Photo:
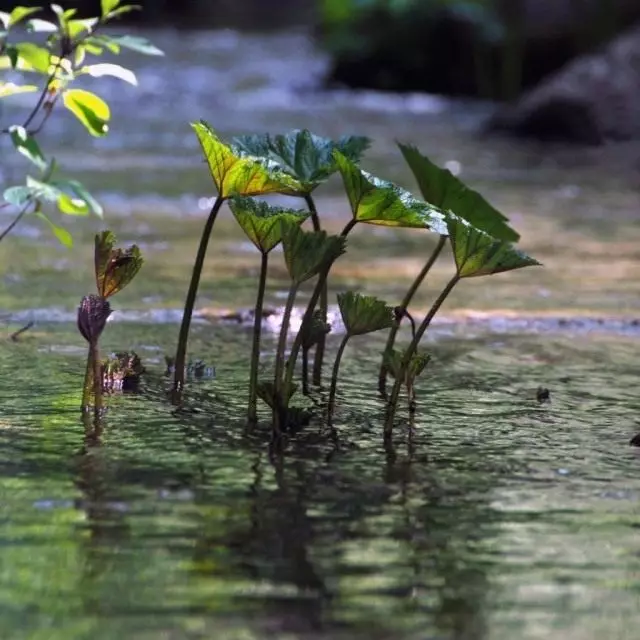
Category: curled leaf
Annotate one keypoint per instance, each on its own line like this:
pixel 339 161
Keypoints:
pixel 267 393
pixel 364 314
pixel 93 313
pixel 418 363
pixel 115 268
pixel 312 332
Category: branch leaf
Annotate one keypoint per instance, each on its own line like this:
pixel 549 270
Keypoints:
pixel 33 57
pixel 364 314
pixel 63 236
pixel 261 222
pixel 115 268
pixel 10 89
pixel 27 146
pixel 112 70
pixel 379 202
pixel 241 175
pixel 18 14
pixel 91 110
pixel 306 157
pixel 36 25
pixel 79 193
pixel 476 253
pixel 135 43
pixel 107 6
pixel 442 189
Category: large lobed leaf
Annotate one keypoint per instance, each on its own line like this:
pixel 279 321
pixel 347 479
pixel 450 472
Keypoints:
pixel 442 189
pixel 364 314
pixel 307 253
pixel 478 254
pixel 115 268
pixel 261 222
pixel 379 202
pixel 240 174
pixel 306 157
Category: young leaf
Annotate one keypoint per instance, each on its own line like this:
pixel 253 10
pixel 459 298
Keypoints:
pixel 107 6
pixel 135 43
pixel 34 57
pixel 10 89
pixel 128 8
pixel 442 189
pixel 306 157
pixel 240 175
pixel 364 314
pixel 93 313
pixel 376 201
pixel 417 364
pixel 91 110
pixel 18 14
pixel 79 192
pixel 27 146
pixel 267 393
pixel 62 18
pixel 115 268
pixel 76 27
pixel 476 253
pixel 307 253
pixel 36 25
pixel 113 70
pixel 261 222
pixel 62 235
pixel 312 331
pixel 72 206
pixel 42 190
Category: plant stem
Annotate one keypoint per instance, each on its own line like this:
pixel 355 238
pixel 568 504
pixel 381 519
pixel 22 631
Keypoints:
pixel 308 314
pixel 17 219
pixel 181 353
pixel 97 382
pixel 324 304
pixel 305 371
pixel 255 353
pixel 384 370
pixel 334 378
pixel 411 349
pixel 92 388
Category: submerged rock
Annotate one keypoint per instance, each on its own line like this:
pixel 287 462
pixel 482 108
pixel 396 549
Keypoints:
pixel 121 372
pixel 591 100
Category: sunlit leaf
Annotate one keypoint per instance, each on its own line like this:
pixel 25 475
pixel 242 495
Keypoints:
pixel 62 19
pixel 261 222
pixel 27 145
pixel 78 192
pixel 307 253
pixel 101 42
pixel 42 190
pixel 4 19
pixel 76 27
pixel 442 189
pixel 36 25
pixel 72 206
pixel 306 157
pixel 379 202
pixel 10 89
pixel 240 175
pixel 112 70
pixel 35 57
pixel 18 14
pixel 107 6
pixel 478 254
pixel 91 110
pixel 364 314
pixel 135 43
pixel 122 10
pixel 115 268
pixel 62 235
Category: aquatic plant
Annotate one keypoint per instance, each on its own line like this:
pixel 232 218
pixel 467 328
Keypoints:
pixel 59 61
pixel 114 269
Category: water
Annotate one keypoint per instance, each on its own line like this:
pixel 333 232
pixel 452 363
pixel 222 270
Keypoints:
pixel 501 518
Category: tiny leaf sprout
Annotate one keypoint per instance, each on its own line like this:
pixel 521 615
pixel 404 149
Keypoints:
pixel 360 314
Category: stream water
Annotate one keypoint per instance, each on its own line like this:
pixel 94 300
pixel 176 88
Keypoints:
pixel 501 518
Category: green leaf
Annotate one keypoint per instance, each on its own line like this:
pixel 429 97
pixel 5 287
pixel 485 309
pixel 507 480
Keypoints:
pixel 379 202
pixel 108 69
pixel 62 19
pixel 306 157
pixel 72 206
pixel 36 25
pixel 364 314
pixel 135 43
pixel 42 190
pixel 240 175
pixel 476 253
pixel 4 19
pixel 18 14
pixel 307 253
pixel 79 192
pixel 63 236
pixel 27 146
pixel 442 189
pixel 17 196
pixel 34 57
pixel 101 42
pixel 76 27
pixel 10 89
pixel 107 6
pixel 91 110
pixel 114 268
pixel 261 223
pixel 417 364
pixel 122 10
pixel 311 332
pixel 267 393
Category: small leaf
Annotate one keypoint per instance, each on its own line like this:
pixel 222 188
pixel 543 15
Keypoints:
pixel 72 206
pixel 4 19
pixel 307 253
pixel 43 190
pixel 135 43
pixel 115 268
pixel 27 146
pixel 10 89
pixel 103 42
pixel 76 27
pixel 35 57
pixel 379 202
pixel 91 110
pixel 79 192
pixel 122 10
pixel 113 70
pixel 63 236
pixel 478 254
pixel 18 14
pixel 442 189
pixel 62 19
pixel 311 332
pixel 240 175
pixel 36 25
pixel 17 196
pixel 261 222
pixel 306 157
pixel 267 393
pixel 417 364
pixel 107 6
pixel 364 314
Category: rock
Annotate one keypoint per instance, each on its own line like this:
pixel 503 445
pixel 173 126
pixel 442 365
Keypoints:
pixel 592 99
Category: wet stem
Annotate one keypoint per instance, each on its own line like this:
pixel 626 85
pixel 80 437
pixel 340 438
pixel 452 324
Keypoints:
pixel 92 389
pixel 183 337
pixel 384 369
pixel 392 403
pixel 255 353
pixel 334 378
